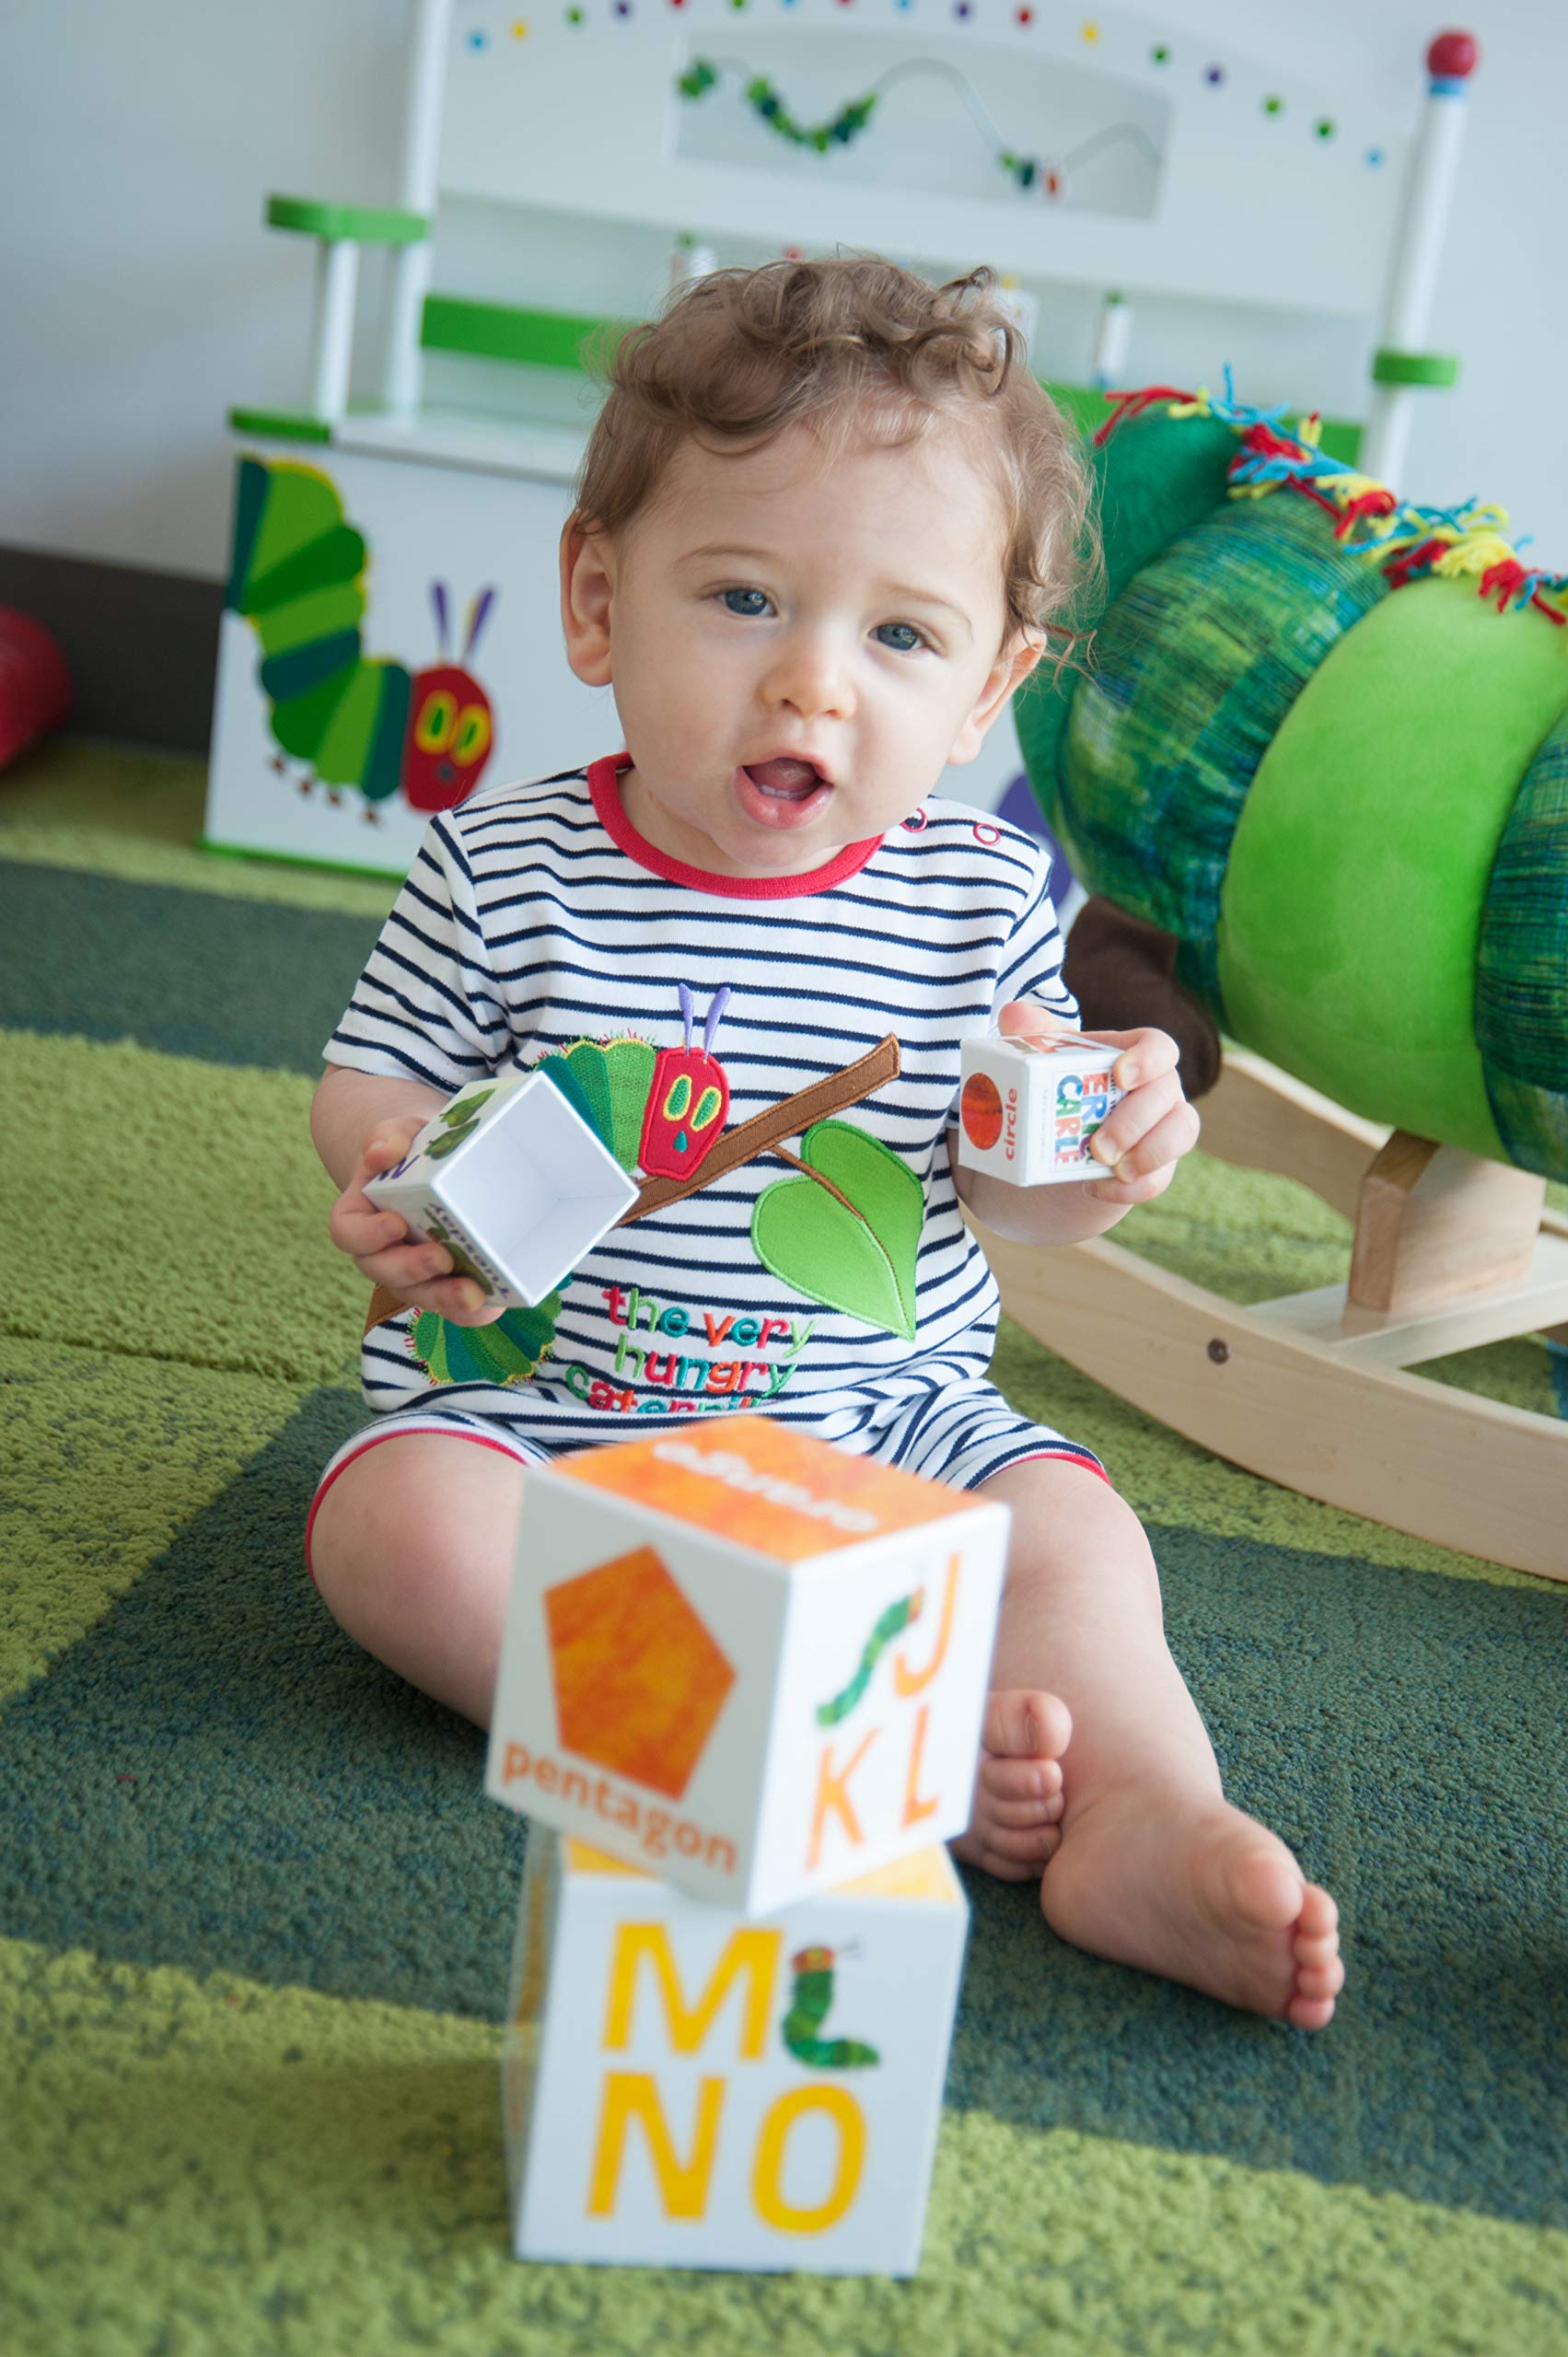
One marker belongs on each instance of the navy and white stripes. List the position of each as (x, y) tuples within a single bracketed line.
[(534, 917)]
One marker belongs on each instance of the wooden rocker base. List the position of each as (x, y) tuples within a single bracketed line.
[(1311, 1390)]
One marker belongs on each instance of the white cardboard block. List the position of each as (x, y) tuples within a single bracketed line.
[(1029, 1107), (512, 1180), (682, 2088), (744, 1660)]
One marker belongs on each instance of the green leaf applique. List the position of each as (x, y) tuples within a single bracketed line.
[(855, 1254)]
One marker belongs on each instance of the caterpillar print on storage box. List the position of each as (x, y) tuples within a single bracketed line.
[(362, 723)]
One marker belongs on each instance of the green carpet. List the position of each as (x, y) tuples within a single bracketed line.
[(254, 1909)]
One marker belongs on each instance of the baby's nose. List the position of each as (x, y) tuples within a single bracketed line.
[(810, 678)]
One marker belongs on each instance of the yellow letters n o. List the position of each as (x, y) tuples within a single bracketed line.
[(767, 2171)]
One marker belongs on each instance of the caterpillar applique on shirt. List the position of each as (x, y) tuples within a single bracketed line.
[(828, 1277)]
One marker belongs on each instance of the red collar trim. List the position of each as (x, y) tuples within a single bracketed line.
[(604, 785)]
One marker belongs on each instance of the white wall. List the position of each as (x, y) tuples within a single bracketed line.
[(140, 295)]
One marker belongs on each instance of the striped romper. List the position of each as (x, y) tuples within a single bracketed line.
[(854, 1304)]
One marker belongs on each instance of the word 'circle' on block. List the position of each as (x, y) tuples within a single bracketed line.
[(682, 2087), (744, 1660), (513, 1181), (1028, 1108)]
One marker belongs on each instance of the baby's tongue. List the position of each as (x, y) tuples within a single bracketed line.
[(783, 776)]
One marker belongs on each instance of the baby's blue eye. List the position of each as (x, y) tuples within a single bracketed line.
[(748, 603), (902, 637)]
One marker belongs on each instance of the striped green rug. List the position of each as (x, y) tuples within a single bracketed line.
[(255, 1910)]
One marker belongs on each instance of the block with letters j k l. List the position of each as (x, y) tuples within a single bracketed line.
[(751, 1663)]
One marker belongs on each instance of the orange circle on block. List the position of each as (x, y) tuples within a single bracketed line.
[(979, 1109)]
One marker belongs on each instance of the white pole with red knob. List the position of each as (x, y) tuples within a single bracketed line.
[(1402, 363)]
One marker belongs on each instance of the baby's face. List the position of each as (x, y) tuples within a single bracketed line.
[(797, 643)]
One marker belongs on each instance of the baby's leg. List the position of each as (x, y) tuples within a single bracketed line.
[(1145, 1861), (412, 1549)]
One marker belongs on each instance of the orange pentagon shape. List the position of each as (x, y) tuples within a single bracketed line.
[(639, 1681)]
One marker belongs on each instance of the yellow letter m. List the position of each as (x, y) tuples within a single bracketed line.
[(751, 1952)]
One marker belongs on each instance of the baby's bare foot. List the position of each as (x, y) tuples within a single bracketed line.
[(1195, 1890), (1014, 1828)]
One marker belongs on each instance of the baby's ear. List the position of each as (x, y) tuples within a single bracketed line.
[(1020, 652), (586, 586)]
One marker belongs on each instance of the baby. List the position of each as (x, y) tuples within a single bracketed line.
[(825, 523)]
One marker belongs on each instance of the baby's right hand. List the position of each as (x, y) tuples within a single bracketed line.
[(381, 1247)]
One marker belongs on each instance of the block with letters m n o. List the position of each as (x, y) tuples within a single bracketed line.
[(685, 2087)]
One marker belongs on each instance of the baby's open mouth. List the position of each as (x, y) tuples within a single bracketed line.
[(785, 779), (786, 792)]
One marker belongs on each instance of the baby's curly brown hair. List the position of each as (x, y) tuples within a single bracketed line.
[(851, 346)]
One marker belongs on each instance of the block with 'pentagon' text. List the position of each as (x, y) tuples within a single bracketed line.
[(744, 1660)]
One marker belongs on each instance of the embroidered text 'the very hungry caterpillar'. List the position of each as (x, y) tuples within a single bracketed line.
[(728, 1381)]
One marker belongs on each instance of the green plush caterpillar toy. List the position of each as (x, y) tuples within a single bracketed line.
[(1338, 780)]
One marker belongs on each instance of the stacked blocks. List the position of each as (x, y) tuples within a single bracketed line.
[(746, 1668)]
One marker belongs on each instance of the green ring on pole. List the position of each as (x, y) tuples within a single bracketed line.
[(1392, 368), (366, 225), (279, 424)]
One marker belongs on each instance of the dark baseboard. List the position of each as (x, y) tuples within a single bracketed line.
[(142, 645)]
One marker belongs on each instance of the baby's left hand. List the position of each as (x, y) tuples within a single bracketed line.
[(1147, 1134)]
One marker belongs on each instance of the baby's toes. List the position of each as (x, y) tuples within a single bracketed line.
[(1019, 1817), (1320, 1979), (1319, 1967), (1010, 1854), (1318, 1919), (1020, 1779), (1022, 1723)]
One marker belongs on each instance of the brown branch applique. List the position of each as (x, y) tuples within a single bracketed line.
[(763, 1134), (789, 1118)]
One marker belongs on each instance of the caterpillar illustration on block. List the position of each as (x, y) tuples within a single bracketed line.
[(899, 1615), (360, 722), (460, 1119), (811, 2000)]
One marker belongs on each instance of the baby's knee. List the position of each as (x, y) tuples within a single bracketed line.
[(360, 1554), (1065, 1515), (409, 1523)]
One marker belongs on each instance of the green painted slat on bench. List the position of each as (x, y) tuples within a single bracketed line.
[(504, 332), (546, 339), (279, 424), (366, 225)]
